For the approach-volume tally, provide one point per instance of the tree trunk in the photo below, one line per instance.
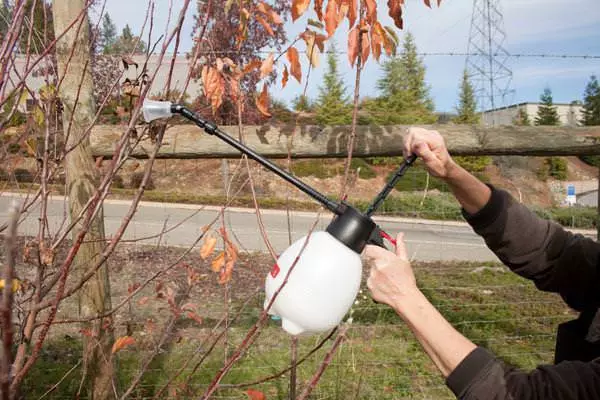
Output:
(76, 94)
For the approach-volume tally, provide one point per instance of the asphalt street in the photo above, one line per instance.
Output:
(426, 240)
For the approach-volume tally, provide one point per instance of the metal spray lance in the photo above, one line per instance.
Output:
(327, 275)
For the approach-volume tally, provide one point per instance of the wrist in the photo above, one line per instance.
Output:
(408, 302)
(453, 171)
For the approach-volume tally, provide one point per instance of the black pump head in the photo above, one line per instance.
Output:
(352, 228)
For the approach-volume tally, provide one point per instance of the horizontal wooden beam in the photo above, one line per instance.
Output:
(190, 142)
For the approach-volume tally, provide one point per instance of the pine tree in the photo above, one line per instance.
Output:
(591, 103)
(108, 36)
(404, 96)
(467, 106)
(522, 118)
(43, 28)
(547, 114)
(302, 103)
(5, 18)
(332, 106)
(128, 43)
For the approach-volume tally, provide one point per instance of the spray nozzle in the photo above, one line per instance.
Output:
(154, 110)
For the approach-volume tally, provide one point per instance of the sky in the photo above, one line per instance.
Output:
(531, 26)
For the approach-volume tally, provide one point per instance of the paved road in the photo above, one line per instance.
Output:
(426, 240)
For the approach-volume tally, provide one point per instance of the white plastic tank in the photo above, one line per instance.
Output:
(321, 288)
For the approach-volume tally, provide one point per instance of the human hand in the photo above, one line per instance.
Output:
(391, 276)
(431, 147)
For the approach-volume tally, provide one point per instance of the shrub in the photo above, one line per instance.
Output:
(474, 164)
(3, 175)
(366, 172)
(13, 148)
(118, 182)
(317, 168)
(136, 181)
(557, 167)
(24, 176)
(594, 161)
(416, 180)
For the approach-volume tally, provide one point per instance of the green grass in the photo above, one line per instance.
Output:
(380, 359)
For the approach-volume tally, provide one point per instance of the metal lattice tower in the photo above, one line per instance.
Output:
(487, 58)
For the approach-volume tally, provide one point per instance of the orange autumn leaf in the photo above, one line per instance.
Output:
(353, 46)
(218, 262)
(262, 102)
(331, 17)
(268, 11)
(352, 11)
(295, 66)
(254, 394)
(214, 86)
(252, 66)
(285, 77)
(121, 343)
(265, 25)
(225, 275)
(395, 11)
(208, 247)
(366, 49)
(372, 10)
(376, 42)
(319, 9)
(299, 7)
(267, 66)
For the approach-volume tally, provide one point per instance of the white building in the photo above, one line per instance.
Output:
(569, 114)
(37, 80)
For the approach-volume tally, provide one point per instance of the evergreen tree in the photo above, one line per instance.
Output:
(127, 43)
(5, 18)
(467, 106)
(591, 103)
(547, 114)
(43, 27)
(404, 94)
(302, 103)
(332, 106)
(108, 36)
(522, 118)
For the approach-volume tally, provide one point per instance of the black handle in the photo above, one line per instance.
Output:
(387, 189)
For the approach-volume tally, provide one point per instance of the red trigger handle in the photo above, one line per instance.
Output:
(387, 237)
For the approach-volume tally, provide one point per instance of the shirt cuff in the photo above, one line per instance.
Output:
(490, 212)
(463, 375)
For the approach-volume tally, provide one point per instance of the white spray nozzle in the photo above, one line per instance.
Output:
(156, 110)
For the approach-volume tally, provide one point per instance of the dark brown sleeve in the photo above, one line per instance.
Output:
(481, 376)
(540, 250)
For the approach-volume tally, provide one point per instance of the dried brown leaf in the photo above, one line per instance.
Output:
(285, 77)
(122, 343)
(395, 11)
(218, 262)
(262, 102)
(299, 7)
(208, 247)
(267, 66)
(295, 66)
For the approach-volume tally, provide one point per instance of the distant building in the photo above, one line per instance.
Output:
(569, 114)
(36, 80)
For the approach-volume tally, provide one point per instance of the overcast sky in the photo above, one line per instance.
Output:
(532, 27)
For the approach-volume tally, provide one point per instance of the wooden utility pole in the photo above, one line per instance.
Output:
(76, 94)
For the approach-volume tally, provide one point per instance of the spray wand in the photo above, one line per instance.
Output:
(352, 227)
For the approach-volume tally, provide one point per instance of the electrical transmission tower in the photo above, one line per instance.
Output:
(486, 57)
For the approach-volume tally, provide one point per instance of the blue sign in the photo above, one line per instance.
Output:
(571, 190)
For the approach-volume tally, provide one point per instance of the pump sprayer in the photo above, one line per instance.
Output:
(326, 278)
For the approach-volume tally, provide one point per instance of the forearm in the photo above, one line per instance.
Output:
(444, 344)
(471, 193)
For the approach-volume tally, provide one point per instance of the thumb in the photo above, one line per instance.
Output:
(401, 251)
